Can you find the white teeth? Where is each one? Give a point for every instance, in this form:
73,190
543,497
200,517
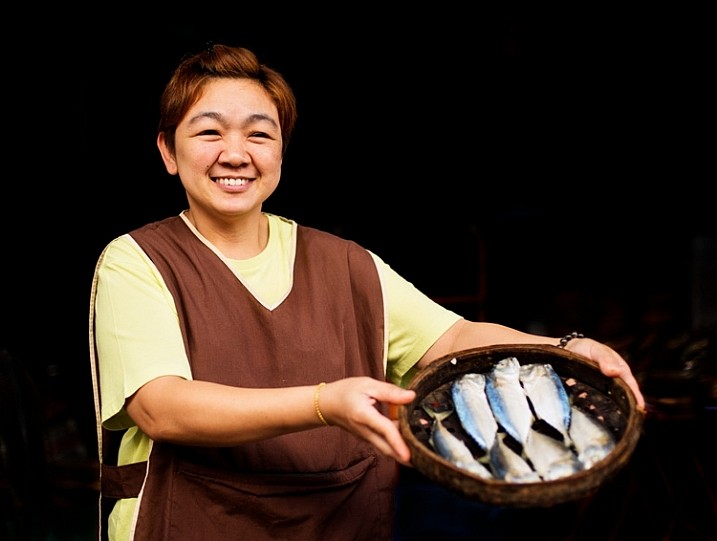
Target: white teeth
232,181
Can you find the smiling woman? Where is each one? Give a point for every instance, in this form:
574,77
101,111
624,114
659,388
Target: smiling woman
526,125
225,316
236,153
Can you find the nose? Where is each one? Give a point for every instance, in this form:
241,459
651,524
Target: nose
234,152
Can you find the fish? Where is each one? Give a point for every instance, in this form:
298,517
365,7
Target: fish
508,465
473,410
508,399
551,458
592,440
453,449
547,395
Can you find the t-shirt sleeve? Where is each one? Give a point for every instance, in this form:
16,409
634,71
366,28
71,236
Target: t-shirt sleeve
415,322
137,330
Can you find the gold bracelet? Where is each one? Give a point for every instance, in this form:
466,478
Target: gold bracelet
316,402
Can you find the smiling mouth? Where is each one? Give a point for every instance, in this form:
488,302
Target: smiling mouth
231,181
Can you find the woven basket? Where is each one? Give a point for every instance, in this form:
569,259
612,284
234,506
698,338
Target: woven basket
611,396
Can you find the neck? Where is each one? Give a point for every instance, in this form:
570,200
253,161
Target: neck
241,238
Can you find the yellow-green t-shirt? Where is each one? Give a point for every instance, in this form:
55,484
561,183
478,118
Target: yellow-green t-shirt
139,339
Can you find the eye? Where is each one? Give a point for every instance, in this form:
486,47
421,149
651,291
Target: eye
260,134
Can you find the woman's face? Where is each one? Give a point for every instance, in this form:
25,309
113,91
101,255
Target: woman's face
228,149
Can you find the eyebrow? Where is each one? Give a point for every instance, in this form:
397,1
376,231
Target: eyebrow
256,117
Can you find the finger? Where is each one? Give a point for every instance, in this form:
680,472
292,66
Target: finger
631,382
388,440
616,366
611,364
393,394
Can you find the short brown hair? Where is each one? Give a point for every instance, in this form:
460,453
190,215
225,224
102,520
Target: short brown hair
221,61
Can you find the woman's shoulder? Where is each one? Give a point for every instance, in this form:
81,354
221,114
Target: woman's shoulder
122,251
289,227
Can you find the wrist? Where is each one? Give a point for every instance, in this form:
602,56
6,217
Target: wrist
317,407
568,337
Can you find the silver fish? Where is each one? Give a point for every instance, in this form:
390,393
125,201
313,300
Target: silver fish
508,465
471,405
548,396
592,440
551,458
455,450
508,400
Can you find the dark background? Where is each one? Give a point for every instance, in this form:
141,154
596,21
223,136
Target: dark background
543,169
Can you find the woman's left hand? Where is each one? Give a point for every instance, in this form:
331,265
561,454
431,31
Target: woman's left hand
610,361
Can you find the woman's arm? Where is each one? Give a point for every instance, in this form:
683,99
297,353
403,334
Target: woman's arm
468,334
189,412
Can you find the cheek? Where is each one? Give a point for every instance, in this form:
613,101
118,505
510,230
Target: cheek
268,159
198,158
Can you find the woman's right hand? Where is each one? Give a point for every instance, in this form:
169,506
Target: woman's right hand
350,403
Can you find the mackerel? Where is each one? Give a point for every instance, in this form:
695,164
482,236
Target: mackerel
474,412
455,450
547,395
508,465
508,400
592,440
551,458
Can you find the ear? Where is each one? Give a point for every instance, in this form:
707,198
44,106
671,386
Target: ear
167,156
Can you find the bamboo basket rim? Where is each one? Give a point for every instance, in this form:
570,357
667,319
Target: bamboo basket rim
533,494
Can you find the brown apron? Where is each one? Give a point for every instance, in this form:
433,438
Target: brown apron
321,484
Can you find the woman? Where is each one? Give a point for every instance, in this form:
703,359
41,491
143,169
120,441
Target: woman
248,362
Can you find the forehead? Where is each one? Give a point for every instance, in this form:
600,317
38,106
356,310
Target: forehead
231,97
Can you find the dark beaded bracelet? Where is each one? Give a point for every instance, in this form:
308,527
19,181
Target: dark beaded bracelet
565,339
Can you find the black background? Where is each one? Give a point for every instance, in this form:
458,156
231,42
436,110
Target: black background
559,159
574,145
